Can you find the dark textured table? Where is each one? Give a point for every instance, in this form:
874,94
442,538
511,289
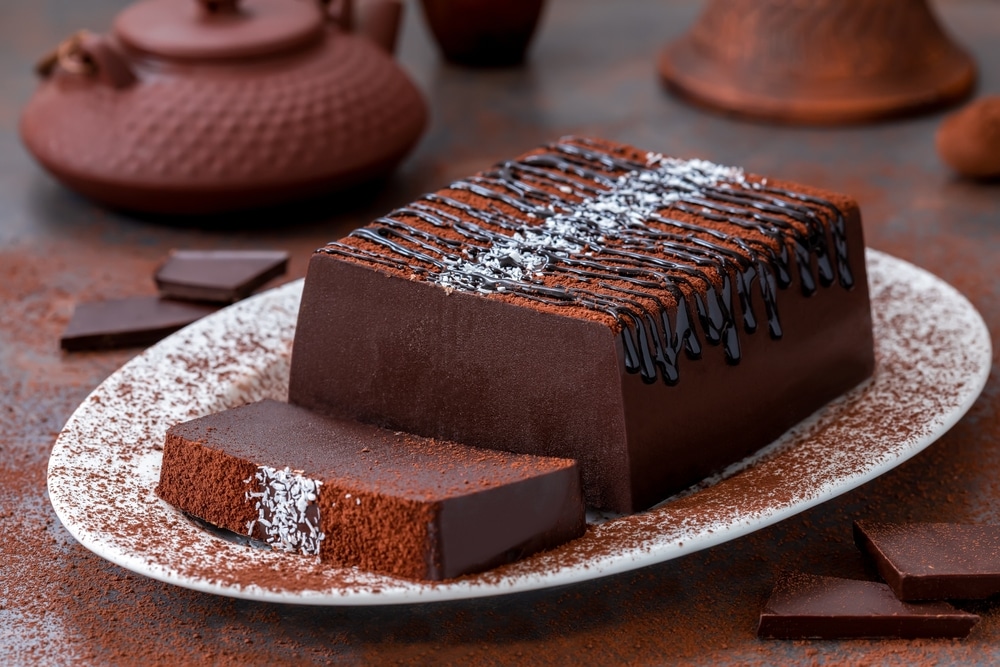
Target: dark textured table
591,71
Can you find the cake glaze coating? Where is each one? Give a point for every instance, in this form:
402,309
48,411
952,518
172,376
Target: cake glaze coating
653,318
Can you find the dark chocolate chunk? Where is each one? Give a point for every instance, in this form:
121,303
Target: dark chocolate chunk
804,606
222,276
128,322
934,561
358,495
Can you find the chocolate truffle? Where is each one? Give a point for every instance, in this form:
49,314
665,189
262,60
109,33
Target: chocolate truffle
655,319
969,139
806,606
357,495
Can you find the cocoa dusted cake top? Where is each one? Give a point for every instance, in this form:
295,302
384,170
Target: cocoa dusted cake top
667,252
368,457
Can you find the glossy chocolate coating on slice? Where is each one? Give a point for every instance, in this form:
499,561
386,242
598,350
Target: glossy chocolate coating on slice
654,319
221,276
362,496
934,561
128,322
805,606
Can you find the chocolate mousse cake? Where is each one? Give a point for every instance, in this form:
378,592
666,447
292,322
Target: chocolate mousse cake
358,495
654,319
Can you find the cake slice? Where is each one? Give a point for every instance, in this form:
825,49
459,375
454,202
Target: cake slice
357,495
654,319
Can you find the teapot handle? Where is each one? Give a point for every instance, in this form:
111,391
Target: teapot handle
379,20
88,54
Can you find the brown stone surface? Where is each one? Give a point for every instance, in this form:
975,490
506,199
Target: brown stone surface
590,72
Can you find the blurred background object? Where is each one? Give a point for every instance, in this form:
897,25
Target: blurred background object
202,106
483,33
818,61
969,139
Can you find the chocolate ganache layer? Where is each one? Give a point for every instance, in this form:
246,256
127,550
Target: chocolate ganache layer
654,318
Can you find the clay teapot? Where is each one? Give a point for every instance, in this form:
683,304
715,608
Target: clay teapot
201,106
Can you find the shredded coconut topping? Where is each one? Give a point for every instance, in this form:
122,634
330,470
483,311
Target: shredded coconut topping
628,205
286,509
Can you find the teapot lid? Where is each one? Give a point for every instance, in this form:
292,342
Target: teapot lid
210,29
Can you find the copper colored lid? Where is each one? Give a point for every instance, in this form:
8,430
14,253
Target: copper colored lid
820,61
209,29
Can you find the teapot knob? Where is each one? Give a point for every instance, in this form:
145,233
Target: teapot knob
88,54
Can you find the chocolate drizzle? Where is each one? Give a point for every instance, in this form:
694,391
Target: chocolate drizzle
667,248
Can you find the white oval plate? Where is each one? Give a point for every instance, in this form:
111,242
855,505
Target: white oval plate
933,357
